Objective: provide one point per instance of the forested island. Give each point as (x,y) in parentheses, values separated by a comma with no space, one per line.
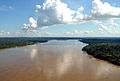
(16,42)
(106,49)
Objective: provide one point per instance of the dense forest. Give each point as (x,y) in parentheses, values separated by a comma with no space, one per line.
(105,49)
(100,40)
(13,42)
(8,42)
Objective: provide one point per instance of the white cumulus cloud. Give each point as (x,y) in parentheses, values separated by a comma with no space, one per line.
(112,22)
(53,12)
(109,28)
(104,10)
(32,24)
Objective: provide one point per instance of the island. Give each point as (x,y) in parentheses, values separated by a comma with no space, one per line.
(103,48)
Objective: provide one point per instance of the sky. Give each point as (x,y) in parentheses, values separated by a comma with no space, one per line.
(59,18)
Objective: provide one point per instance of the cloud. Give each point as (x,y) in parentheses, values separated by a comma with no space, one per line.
(79,16)
(76,31)
(100,29)
(82,32)
(103,10)
(42,28)
(4,33)
(1,32)
(111,28)
(5,8)
(51,33)
(113,23)
(53,12)
(69,33)
(32,24)
(38,7)
(8,33)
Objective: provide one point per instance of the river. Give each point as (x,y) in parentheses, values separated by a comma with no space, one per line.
(54,61)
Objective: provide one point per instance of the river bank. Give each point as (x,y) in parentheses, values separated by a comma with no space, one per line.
(104,50)
(19,42)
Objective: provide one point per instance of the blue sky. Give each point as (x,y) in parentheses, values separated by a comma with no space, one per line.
(15,13)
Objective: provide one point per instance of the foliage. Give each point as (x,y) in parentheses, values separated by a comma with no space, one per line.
(100,40)
(13,42)
(104,51)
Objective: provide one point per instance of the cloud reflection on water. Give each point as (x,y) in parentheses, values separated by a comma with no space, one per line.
(33,53)
(59,61)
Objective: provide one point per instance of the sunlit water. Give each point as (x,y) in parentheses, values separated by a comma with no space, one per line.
(54,61)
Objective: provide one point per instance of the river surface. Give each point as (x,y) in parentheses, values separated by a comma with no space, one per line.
(54,61)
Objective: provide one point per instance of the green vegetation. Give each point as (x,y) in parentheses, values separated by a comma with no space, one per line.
(106,50)
(8,42)
(13,42)
(100,40)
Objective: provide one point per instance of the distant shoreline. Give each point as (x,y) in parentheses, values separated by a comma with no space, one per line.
(17,46)
(19,42)
(11,42)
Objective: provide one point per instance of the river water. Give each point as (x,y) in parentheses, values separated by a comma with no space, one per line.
(54,61)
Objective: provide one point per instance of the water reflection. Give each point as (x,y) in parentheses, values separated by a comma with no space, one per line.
(54,62)
(33,53)
(64,63)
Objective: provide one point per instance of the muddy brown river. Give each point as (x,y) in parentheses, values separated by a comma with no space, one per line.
(54,61)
